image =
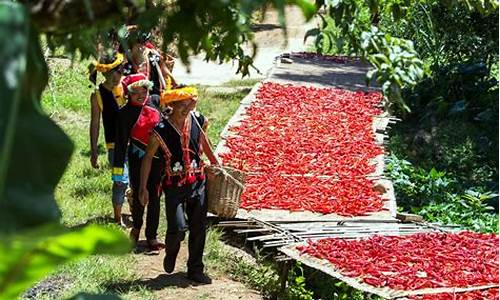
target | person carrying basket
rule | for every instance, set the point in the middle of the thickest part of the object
(180, 137)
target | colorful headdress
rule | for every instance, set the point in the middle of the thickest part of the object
(104, 68)
(135, 81)
(169, 96)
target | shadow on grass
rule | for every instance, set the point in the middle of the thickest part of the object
(100, 150)
(105, 220)
(264, 27)
(160, 282)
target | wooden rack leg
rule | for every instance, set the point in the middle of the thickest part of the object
(285, 268)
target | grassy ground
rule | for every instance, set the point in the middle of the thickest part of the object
(84, 193)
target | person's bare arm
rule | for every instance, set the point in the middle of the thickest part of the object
(95, 119)
(146, 168)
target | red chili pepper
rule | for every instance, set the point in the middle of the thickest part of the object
(306, 130)
(426, 260)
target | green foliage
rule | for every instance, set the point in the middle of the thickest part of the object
(465, 90)
(383, 32)
(34, 154)
(416, 187)
(448, 34)
(395, 63)
(471, 210)
(297, 284)
(31, 164)
(34, 254)
(439, 198)
(217, 28)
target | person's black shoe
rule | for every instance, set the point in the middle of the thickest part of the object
(169, 263)
(200, 278)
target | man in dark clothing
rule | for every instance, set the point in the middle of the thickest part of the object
(106, 102)
(143, 57)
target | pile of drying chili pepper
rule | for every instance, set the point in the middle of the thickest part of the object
(489, 294)
(426, 260)
(299, 193)
(333, 58)
(295, 136)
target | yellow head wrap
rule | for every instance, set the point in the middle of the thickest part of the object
(169, 96)
(104, 68)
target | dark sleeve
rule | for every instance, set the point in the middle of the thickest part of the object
(154, 101)
(123, 128)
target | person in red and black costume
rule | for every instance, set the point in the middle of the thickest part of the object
(182, 142)
(134, 124)
(106, 102)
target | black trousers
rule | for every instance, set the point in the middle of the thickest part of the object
(181, 202)
(153, 186)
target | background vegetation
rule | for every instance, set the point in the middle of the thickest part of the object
(444, 152)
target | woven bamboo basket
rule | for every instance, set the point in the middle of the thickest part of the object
(224, 188)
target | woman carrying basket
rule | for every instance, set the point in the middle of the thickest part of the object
(182, 141)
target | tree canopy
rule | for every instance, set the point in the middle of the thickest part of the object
(34, 151)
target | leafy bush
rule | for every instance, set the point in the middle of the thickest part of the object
(468, 90)
(468, 152)
(470, 210)
(297, 284)
(444, 34)
(439, 198)
(415, 186)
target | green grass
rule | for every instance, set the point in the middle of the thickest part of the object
(218, 108)
(69, 87)
(242, 82)
(263, 276)
(84, 194)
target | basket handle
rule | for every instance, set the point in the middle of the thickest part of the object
(216, 158)
(210, 146)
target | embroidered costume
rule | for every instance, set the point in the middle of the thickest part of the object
(184, 184)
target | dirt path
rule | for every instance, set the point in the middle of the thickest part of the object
(270, 40)
(177, 286)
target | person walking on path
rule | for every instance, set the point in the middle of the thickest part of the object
(139, 138)
(182, 142)
(134, 123)
(143, 57)
(106, 101)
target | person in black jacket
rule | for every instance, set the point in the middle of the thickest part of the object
(136, 87)
(129, 143)
(139, 138)
(182, 141)
(143, 57)
(106, 101)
